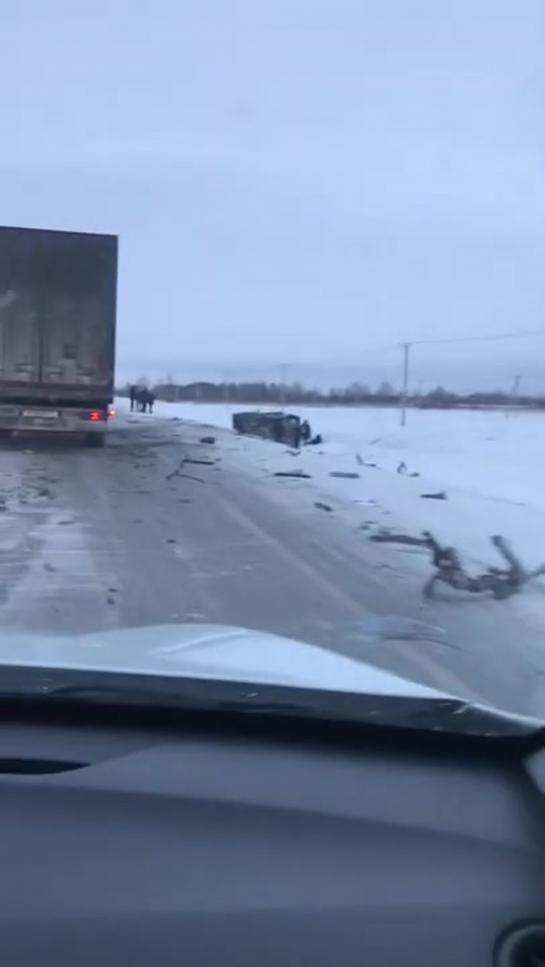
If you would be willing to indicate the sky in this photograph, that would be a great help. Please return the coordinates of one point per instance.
(293, 182)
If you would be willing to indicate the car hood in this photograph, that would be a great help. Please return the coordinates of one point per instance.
(209, 652)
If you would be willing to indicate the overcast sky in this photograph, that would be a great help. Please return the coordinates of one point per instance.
(297, 181)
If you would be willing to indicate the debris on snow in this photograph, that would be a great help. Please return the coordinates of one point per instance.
(385, 536)
(202, 463)
(44, 492)
(364, 463)
(322, 506)
(207, 439)
(178, 472)
(298, 474)
(347, 475)
(502, 582)
(490, 480)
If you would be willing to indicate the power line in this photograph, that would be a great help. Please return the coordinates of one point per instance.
(489, 338)
(388, 347)
(409, 343)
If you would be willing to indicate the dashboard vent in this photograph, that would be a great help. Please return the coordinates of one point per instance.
(523, 947)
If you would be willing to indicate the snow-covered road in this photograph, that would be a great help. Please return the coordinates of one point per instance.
(490, 464)
(92, 540)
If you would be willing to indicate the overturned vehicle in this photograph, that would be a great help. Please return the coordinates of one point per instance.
(278, 426)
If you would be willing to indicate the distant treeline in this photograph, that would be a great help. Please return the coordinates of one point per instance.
(355, 394)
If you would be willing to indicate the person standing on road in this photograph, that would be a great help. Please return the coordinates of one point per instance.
(133, 396)
(150, 398)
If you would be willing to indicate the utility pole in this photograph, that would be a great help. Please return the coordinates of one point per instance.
(283, 372)
(493, 337)
(514, 393)
(404, 392)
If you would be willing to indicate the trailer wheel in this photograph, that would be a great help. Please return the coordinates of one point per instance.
(95, 439)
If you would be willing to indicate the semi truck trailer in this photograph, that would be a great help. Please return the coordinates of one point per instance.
(57, 331)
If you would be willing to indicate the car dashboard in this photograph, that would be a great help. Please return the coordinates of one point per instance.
(214, 840)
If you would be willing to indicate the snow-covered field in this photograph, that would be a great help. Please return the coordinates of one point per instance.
(490, 464)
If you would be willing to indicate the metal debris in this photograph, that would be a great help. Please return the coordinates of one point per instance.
(387, 537)
(364, 463)
(343, 474)
(502, 582)
(298, 474)
(178, 472)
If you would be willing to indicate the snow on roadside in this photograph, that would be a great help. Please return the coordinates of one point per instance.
(490, 464)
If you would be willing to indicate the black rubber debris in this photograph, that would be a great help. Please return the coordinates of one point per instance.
(388, 537)
(292, 473)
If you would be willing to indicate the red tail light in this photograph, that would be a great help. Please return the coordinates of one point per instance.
(96, 416)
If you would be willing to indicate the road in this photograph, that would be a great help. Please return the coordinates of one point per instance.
(94, 540)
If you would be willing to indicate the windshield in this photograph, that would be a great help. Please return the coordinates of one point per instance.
(272, 341)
